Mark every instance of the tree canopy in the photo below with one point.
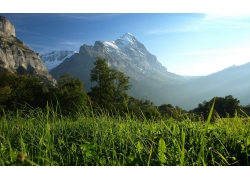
(20, 91)
(17, 91)
(70, 94)
(224, 107)
(109, 93)
(111, 87)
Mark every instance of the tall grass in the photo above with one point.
(98, 139)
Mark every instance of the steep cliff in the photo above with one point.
(6, 26)
(16, 57)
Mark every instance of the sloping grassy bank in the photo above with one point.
(45, 138)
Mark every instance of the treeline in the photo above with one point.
(27, 91)
(69, 96)
(109, 95)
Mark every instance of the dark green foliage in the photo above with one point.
(102, 93)
(70, 94)
(167, 110)
(141, 107)
(21, 91)
(111, 87)
(223, 107)
(69, 97)
(121, 86)
(110, 93)
(246, 109)
(18, 91)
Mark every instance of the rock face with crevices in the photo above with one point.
(6, 26)
(18, 58)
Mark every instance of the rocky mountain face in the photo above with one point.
(126, 54)
(6, 26)
(53, 59)
(16, 57)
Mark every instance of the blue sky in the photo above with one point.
(185, 43)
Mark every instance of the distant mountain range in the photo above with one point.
(53, 59)
(125, 54)
(149, 79)
(230, 81)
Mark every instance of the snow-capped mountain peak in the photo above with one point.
(130, 50)
(53, 59)
(126, 39)
(126, 54)
(122, 44)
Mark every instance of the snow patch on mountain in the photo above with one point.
(125, 54)
(53, 59)
(122, 45)
(129, 48)
(111, 45)
(126, 40)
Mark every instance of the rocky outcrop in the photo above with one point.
(6, 26)
(18, 58)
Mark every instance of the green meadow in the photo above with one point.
(38, 137)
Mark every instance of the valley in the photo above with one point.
(114, 104)
(149, 79)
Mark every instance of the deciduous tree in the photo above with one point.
(111, 87)
(70, 94)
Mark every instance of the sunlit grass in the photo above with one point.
(97, 139)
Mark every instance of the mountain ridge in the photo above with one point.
(53, 59)
(229, 81)
(153, 81)
(128, 55)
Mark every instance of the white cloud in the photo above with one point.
(227, 21)
(69, 43)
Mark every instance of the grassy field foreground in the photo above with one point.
(44, 138)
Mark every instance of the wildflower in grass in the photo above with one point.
(20, 157)
(17, 127)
